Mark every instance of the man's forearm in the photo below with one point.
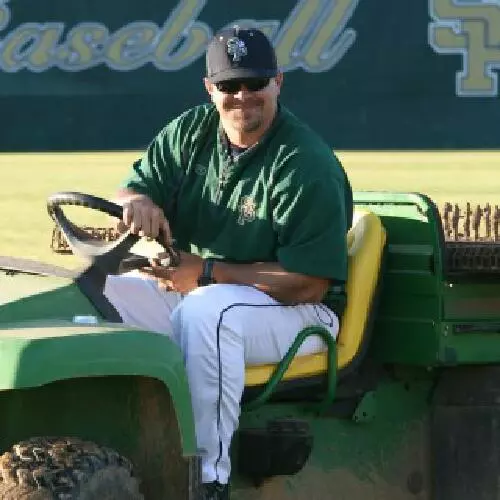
(271, 278)
(123, 195)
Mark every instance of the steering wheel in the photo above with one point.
(111, 257)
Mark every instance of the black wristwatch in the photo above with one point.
(206, 277)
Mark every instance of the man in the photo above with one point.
(259, 208)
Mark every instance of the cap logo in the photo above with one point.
(236, 48)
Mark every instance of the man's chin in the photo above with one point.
(249, 124)
(247, 127)
(253, 127)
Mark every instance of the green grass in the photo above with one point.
(28, 179)
(444, 176)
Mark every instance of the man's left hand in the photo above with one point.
(182, 279)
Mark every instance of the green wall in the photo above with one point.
(367, 74)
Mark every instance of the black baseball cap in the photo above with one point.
(240, 53)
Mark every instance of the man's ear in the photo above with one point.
(279, 80)
(209, 86)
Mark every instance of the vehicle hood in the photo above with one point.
(31, 290)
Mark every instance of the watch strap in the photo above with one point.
(206, 277)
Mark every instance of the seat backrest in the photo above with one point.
(366, 241)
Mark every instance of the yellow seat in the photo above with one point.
(366, 241)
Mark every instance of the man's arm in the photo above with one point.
(271, 278)
(125, 194)
(143, 217)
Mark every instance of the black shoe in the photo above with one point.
(214, 491)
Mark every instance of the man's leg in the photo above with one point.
(140, 303)
(219, 328)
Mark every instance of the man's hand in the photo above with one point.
(141, 216)
(182, 279)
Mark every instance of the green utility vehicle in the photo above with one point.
(405, 405)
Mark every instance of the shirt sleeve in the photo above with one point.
(158, 174)
(309, 215)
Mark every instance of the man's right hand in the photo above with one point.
(141, 216)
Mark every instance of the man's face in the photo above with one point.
(243, 108)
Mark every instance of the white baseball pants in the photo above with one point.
(219, 328)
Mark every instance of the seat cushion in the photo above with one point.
(366, 241)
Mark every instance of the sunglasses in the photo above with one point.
(234, 86)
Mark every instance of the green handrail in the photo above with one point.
(287, 359)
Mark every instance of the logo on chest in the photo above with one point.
(200, 169)
(247, 210)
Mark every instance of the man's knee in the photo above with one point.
(197, 316)
(204, 312)
(205, 304)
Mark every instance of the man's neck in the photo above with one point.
(244, 139)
